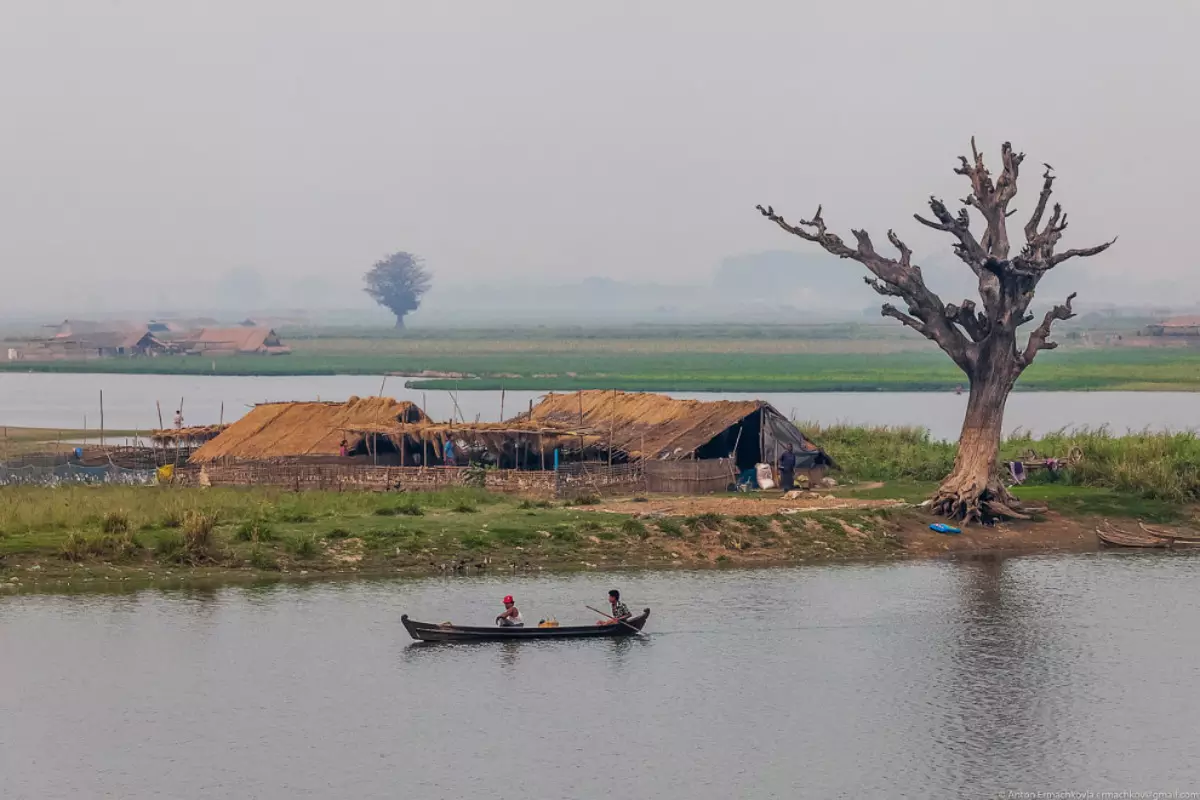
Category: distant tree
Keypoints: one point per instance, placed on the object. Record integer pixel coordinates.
(397, 283)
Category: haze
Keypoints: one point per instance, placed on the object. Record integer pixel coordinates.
(155, 151)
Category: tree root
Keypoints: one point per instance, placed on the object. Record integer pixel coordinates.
(971, 504)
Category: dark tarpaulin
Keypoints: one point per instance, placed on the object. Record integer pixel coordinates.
(778, 431)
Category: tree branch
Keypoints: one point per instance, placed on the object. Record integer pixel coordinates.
(968, 249)
(894, 278)
(977, 326)
(1039, 339)
(1083, 252)
(889, 310)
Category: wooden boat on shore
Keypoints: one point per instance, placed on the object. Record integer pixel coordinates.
(1111, 537)
(445, 632)
(1174, 538)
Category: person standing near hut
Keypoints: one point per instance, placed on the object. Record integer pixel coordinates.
(178, 419)
(787, 469)
(342, 451)
(448, 455)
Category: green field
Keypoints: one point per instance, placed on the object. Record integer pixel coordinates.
(749, 359)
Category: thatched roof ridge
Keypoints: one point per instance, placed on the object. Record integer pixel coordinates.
(664, 427)
(277, 430)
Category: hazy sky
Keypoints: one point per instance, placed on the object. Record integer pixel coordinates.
(160, 142)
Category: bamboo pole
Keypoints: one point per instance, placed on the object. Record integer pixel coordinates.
(102, 418)
(222, 419)
(502, 404)
(160, 422)
(6, 444)
(581, 444)
(612, 421)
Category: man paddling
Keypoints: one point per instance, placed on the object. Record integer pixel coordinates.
(620, 612)
(510, 617)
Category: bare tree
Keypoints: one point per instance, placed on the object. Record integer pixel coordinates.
(397, 283)
(982, 341)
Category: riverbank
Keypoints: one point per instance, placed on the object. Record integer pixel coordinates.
(690, 364)
(79, 536)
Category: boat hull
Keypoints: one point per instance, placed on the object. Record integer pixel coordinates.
(432, 632)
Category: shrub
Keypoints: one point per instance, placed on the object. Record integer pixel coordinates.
(338, 533)
(115, 522)
(526, 505)
(169, 545)
(464, 508)
(564, 535)
(670, 527)
(584, 500)
(78, 546)
(303, 546)
(173, 518)
(262, 560)
(709, 521)
(199, 537)
(634, 527)
(475, 541)
(254, 530)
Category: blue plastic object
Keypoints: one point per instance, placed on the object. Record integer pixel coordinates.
(943, 528)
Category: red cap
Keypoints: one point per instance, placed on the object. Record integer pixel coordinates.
(508, 598)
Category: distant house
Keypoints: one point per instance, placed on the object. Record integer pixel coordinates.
(1176, 326)
(77, 328)
(111, 344)
(229, 341)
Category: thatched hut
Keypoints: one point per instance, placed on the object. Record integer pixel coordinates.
(654, 427)
(306, 430)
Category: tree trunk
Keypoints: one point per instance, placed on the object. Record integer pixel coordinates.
(399, 322)
(974, 491)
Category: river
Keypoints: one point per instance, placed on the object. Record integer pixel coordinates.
(46, 400)
(933, 679)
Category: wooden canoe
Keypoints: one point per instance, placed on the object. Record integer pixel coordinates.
(1115, 538)
(1176, 538)
(432, 632)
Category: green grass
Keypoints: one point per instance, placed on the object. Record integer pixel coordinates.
(1156, 466)
(746, 358)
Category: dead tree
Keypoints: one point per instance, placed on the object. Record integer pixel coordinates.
(981, 340)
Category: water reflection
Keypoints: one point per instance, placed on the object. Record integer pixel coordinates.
(948, 679)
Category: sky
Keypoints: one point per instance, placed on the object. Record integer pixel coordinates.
(150, 147)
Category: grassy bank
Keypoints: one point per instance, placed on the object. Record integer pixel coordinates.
(97, 532)
(1152, 466)
(15, 442)
(753, 360)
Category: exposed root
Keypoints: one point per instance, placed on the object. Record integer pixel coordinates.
(985, 505)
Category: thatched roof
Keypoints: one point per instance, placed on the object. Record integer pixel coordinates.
(195, 433)
(494, 436)
(280, 430)
(651, 426)
(235, 340)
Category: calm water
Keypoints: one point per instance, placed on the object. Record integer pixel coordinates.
(953, 679)
(49, 401)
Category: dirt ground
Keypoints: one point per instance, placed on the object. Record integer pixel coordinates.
(1053, 533)
(737, 505)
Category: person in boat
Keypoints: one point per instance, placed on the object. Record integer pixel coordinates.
(511, 616)
(620, 611)
(787, 469)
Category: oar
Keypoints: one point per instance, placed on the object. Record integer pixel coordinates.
(614, 619)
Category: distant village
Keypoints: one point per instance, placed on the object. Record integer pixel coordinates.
(78, 339)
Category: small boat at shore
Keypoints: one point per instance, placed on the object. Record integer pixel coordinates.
(1112, 537)
(1175, 538)
(445, 632)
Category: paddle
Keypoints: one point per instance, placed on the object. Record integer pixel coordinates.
(614, 619)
